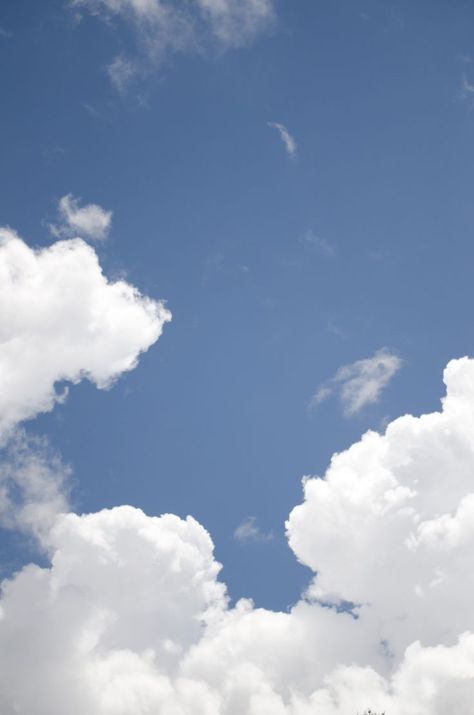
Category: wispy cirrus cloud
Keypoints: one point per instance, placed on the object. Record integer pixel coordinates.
(121, 72)
(319, 244)
(287, 139)
(467, 87)
(164, 27)
(360, 383)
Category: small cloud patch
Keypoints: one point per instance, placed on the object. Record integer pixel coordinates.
(287, 139)
(360, 383)
(90, 221)
(249, 531)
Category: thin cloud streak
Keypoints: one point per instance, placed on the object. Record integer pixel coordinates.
(287, 139)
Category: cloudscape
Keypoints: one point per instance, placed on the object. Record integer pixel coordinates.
(236, 372)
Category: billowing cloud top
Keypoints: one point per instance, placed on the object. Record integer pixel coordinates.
(130, 618)
(391, 523)
(62, 320)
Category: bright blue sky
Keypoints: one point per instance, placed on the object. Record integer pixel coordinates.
(210, 213)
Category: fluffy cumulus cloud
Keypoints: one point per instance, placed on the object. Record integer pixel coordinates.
(81, 629)
(61, 320)
(391, 526)
(166, 26)
(360, 383)
(130, 617)
(90, 221)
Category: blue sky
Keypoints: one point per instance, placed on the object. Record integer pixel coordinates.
(236, 248)
(211, 214)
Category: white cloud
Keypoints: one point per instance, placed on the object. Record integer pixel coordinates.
(319, 244)
(235, 22)
(167, 26)
(390, 527)
(468, 87)
(62, 320)
(89, 221)
(34, 485)
(121, 72)
(360, 383)
(86, 645)
(285, 136)
(249, 530)
(130, 618)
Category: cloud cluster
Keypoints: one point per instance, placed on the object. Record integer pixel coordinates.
(89, 221)
(166, 26)
(61, 320)
(129, 617)
(360, 383)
